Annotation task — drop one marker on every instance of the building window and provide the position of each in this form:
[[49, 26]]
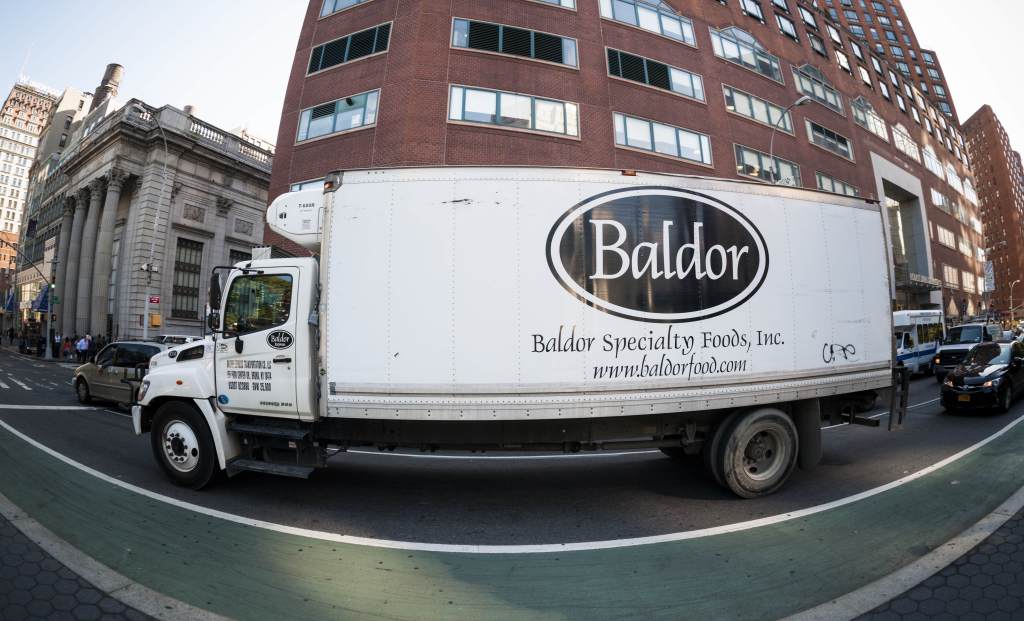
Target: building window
[[787, 26], [834, 34], [953, 179], [844, 61], [968, 279], [738, 46], [650, 15], [512, 110], [333, 6], [188, 265], [757, 109], [940, 91], [237, 256], [817, 44], [865, 76], [67, 122], [752, 8], [928, 57], [810, 81], [660, 138], [950, 276], [751, 163], [934, 73], [63, 140], [514, 41], [809, 20], [346, 49], [828, 139], [946, 236], [339, 116], [865, 116], [566, 4], [932, 163], [902, 140], [653, 73], [831, 184]]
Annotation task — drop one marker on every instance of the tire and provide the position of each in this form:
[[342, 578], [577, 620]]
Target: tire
[[758, 452], [82, 392], [711, 448], [183, 445], [1005, 399]]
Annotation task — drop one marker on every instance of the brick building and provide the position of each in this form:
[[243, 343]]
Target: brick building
[[682, 86], [1000, 177]]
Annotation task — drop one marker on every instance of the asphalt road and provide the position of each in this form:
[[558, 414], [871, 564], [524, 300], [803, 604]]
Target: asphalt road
[[483, 500]]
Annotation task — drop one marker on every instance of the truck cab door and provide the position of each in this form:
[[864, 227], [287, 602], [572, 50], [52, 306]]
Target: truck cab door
[[255, 355]]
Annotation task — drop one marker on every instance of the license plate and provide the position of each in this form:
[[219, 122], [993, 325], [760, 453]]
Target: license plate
[[963, 398]]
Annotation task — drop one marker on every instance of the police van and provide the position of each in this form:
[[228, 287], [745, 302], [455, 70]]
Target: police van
[[918, 335]]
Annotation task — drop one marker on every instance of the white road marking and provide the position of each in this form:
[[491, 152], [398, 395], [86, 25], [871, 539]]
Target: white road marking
[[45, 407], [3, 385], [118, 413], [516, 549], [18, 382]]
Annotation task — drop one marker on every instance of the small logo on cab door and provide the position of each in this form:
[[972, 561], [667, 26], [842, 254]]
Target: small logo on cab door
[[279, 339]]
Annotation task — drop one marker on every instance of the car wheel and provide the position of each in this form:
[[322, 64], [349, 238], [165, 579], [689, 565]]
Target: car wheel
[[1006, 398], [183, 445], [82, 392]]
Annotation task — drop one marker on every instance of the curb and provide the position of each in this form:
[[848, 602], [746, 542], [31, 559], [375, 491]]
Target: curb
[[874, 594], [117, 586]]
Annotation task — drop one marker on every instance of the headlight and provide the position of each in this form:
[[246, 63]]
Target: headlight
[[936, 360], [992, 382], [142, 390]]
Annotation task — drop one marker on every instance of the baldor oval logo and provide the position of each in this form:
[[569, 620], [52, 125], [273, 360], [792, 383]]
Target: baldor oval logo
[[279, 339], [658, 254]]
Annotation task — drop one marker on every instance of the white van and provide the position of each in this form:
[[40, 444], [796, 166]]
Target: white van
[[918, 335]]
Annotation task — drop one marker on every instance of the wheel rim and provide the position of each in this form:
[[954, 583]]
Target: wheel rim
[[764, 455], [181, 448]]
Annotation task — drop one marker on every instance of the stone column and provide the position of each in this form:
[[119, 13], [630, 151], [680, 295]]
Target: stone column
[[83, 307], [104, 247], [70, 293], [63, 243]]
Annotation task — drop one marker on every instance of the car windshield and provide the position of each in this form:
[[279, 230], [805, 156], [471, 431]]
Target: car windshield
[[988, 354], [965, 334]]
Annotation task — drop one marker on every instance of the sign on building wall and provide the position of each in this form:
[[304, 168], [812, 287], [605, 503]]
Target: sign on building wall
[[990, 277]]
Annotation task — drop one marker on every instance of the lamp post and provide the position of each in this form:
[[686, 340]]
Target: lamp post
[[149, 267], [775, 126], [1012, 285]]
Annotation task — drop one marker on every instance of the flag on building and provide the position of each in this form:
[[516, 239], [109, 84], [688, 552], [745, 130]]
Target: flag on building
[[42, 301]]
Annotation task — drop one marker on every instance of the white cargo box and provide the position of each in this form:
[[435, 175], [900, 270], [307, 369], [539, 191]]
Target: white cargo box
[[532, 293]]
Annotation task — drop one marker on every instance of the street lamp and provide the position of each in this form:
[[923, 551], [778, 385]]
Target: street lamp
[[148, 267], [1012, 285], [775, 126]]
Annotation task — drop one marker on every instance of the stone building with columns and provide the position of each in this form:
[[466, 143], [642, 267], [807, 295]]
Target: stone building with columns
[[124, 234]]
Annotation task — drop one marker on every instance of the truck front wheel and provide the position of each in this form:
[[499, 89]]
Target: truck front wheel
[[182, 445], [758, 452]]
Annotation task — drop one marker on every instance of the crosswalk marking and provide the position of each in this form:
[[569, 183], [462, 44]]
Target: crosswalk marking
[[3, 385], [18, 382]]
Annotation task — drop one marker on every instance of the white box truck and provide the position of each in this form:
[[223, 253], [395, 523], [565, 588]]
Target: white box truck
[[535, 309]]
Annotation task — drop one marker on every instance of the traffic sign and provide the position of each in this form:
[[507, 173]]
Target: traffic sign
[[154, 299]]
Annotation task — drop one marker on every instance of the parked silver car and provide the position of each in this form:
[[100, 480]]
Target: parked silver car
[[100, 378]]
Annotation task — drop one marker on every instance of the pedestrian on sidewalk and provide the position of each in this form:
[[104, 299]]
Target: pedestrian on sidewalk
[[10, 336], [65, 350], [81, 346]]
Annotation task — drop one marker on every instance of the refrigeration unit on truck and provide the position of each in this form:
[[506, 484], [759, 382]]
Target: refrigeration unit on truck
[[535, 309]]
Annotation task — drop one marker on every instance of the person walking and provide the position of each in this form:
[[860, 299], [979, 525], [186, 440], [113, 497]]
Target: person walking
[[80, 348], [65, 350]]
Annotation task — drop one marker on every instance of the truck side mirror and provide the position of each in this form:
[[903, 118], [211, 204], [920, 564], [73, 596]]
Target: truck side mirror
[[213, 320], [239, 345], [214, 291]]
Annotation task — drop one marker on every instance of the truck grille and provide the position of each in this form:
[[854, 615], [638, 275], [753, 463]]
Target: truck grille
[[951, 358]]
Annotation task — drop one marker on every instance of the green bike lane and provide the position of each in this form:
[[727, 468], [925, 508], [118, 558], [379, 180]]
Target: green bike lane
[[764, 572]]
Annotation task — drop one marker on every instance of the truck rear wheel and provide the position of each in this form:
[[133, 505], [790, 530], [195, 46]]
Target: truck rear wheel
[[183, 446], [757, 452]]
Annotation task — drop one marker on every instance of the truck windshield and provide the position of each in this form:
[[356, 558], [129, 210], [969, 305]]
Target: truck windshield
[[989, 353], [258, 302], [965, 334]]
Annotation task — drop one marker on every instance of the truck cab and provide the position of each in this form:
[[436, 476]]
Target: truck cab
[[959, 340]]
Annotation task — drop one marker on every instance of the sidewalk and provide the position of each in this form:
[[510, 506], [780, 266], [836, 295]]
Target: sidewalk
[[34, 585], [985, 583], [13, 349]]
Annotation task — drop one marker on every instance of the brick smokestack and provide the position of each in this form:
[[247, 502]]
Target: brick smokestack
[[108, 85]]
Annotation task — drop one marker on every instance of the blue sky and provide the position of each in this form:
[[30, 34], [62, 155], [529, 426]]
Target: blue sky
[[230, 59]]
